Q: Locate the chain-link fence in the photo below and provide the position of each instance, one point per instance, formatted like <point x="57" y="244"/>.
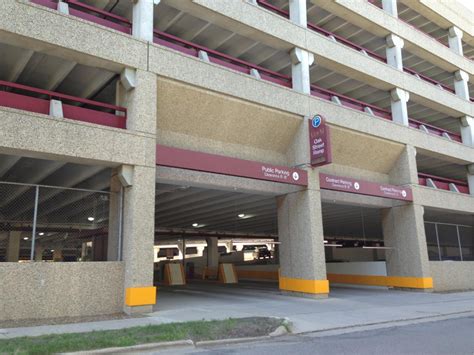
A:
<point x="45" y="223"/>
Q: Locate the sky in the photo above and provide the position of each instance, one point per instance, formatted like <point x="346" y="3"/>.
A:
<point x="468" y="3"/>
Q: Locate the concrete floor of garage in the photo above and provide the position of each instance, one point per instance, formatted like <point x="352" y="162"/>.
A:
<point x="345" y="307"/>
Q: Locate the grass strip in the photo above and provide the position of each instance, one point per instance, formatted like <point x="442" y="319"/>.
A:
<point x="196" y="331"/>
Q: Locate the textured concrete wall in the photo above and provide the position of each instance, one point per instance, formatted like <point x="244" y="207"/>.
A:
<point x="49" y="290"/>
<point x="443" y="199"/>
<point x="452" y="275"/>
<point x="37" y="135"/>
<point x="177" y="66"/>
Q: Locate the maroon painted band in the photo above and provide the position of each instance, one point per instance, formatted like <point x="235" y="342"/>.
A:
<point x="219" y="164"/>
<point x="340" y="183"/>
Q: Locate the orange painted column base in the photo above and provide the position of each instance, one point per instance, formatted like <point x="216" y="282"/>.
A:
<point x="304" y="286"/>
<point x="140" y="296"/>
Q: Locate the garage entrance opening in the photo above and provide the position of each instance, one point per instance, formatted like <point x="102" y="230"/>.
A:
<point x="354" y="244"/>
<point x="214" y="237"/>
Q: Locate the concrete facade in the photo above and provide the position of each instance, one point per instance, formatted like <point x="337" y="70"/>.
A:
<point x="47" y="285"/>
<point x="185" y="102"/>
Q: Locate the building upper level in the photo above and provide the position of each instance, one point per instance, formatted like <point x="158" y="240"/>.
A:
<point x="340" y="61"/>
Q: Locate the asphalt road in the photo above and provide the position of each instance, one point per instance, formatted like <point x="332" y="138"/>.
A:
<point x="453" y="336"/>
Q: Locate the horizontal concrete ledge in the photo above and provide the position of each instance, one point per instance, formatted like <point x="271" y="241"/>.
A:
<point x="36" y="135"/>
<point x="442" y="199"/>
<point x="25" y="23"/>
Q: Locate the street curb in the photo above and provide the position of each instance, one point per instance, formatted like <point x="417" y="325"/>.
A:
<point x="230" y="341"/>
<point x="281" y="330"/>
<point x="141" y="347"/>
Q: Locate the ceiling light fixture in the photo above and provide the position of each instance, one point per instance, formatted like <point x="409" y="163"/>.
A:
<point x="90" y="219"/>
<point x="195" y="225"/>
<point x="241" y="215"/>
<point x="41" y="233"/>
<point x="26" y="238"/>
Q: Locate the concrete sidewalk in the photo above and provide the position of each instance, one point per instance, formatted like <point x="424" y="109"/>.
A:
<point x="345" y="308"/>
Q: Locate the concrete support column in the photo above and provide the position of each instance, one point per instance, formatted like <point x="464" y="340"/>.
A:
<point x="467" y="130"/>
<point x="39" y="252"/>
<point x="212" y="252"/>
<point x="390" y="6"/>
<point x="13" y="249"/>
<point x="301" y="60"/>
<point x="300" y="229"/>
<point x="298" y="13"/>
<point x="143" y="19"/>
<point x="394" y="51"/>
<point x="138" y="240"/>
<point x="460" y="84"/>
<point x="404" y="231"/>
<point x="454" y="40"/>
<point x="137" y="90"/>
<point x="470" y="178"/>
<point x="58" y="254"/>
<point x="407" y="262"/>
<point x="399" y="100"/>
<point x="115" y="214"/>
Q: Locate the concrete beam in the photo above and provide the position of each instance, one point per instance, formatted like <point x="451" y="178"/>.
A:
<point x="394" y="51"/>
<point x="455" y="40"/>
<point x="399" y="100"/>
<point x="470" y="178"/>
<point x="298" y="12"/>
<point x="301" y="60"/>
<point x="460" y="84"/>
<point x="467" y="130"/>
<point x="390" y="6"/>
<point x="143" y="19"/>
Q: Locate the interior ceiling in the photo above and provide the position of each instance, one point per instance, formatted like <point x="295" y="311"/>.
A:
<point x="176" y="206"/>
<point x="351" y="221"/>
<point x="47" y="72"/>
<point x="214" y="210"/>
<point x="434" y="166"/>
<point x="440" y="216"/>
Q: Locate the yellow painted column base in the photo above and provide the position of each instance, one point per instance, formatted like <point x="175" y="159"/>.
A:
<point x="140" y="296"/>
<point x="387" y="281"/>
<point x="304" y="286"/>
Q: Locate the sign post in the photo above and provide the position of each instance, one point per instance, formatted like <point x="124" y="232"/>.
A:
<point x="319" y="141"/>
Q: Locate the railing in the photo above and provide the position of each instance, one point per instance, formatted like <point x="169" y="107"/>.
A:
<point x="435" y="130"/>
<point x="425" y="78"/>
<point x="322" y="31"/>
<point x="349" y="102"/>
<point x="38" y="100"/>
<point x="443" y="183"/>
<point x="93" y="14"/>
<point x="173" y="42"/>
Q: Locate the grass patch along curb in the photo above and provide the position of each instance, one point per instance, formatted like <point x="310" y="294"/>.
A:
<point x="193" y="332"/>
